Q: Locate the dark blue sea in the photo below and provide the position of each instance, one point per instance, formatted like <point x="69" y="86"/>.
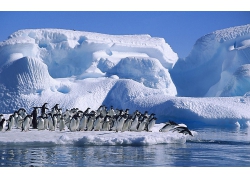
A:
<point x="213" y="147"/>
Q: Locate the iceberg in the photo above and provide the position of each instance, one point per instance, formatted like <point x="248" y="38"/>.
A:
<point x="78" y="69"/>
<point x="209" y="70"/>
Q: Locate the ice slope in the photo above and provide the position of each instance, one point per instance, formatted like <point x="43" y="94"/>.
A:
<point x="212" y="67"/>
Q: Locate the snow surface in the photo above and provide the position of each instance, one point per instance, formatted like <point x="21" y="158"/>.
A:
<point x="139" y="72"/>
<point x="34" y="136"/>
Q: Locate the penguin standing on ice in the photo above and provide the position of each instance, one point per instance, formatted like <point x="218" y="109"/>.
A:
<point x="134" y="123"/>
<point x="90" y="123"/>
<point x="106" y="123"/>
<point x="2" y="124"/>
<point x="46" y="122"/>
<point x="40" y="123"/>
<point x="127" y="124"/>
<point x="50" y="122"/>
<point x="34" y="119"/>
<point x="72" y="124"/>
<point x="142" y="124"/>
<point x="54" y="119"/>
<point x="11" y="122"/>
<point x="83" y="123"/>
<point x="62" y="124"/>
<point x="151" y="124"/>
<point x="26" y="123"/>
<point x="98" y="122"/>
<point x="120" y="122"/>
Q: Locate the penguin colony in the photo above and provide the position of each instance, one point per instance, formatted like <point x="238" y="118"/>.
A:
<point x="74" y="119"/>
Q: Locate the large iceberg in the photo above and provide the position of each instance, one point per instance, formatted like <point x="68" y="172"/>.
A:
<point x="214" y="64"/>
<point x="139" y="72"/>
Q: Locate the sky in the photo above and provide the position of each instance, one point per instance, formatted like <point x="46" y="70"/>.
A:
<point x="180" y="29"/>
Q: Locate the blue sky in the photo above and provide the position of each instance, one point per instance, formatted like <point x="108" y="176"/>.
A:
<point x="180" y="29"/>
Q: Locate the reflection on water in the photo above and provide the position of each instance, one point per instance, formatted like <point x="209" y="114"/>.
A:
<point x="91" y="156"/>
<point x="212" y="147"/>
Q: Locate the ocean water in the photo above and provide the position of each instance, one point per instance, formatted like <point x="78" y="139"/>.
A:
<point x="212" y="147"/>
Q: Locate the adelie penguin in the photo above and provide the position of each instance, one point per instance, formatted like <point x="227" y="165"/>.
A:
<point x="34" y="117"/>
<point x="43" y="108"/>
<point x="183" y="130"/>
<point x="11" y="122"/>
<point x="168" y="126"/>
<point x="62" y="124"/>
<point x="3" y="124"/>
<point x="26" y="123"/>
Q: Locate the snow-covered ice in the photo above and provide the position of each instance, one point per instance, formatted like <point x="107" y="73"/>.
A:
<point x="34" y="136"/>
<point x="86" y="69"/>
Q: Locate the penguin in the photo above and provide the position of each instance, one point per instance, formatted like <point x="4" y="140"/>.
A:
<point x="151" y="124"/>
<point x="126" y="111"/>
<point x="77" y="122"/>
<point x="3" y="124"/>
<point x="54" y="121"/>
<point x="168" y="126"/>
<point x="111" y="112"/>
<point x="43" y="108"/>
<point x="134" y="124"/>
<point x="98" y="111"/>
<point x="50" y="122"/>
<point x="22" y="112"/>
<point x="67" y="119"/>
<point x="40" y="123"/>
<point x="18" y="120"/>
<point x="34" y="119"/>
<point x="15" y="115"/>
<point x="11" y="122"/>
<point x="90" y="123"/>
<point x="53" y="111"/>
<point x="46" y="122"/>
<point x="183" y="130"/>
<point x="26" y="123"/>
<point x="72" y="124"/>
<point x="58" y="119"/>
<point x="59" y="111"/>
<point x="83" y="123"/>
<point x="106" y="123"/>
<point x="56" y="107"/>
<point x="135" y="113"/>
<point x="98" y="122"/>
<point x="120" y="123"/>
<point x="127" y="124"/>
<point x="1" y="117"/>
<point x="115" y="122"/>
<point x="104" y="111"/>
<point x="142" y="125"/>
<point x="86" y="111"/>
<point x="61" y="124"/>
